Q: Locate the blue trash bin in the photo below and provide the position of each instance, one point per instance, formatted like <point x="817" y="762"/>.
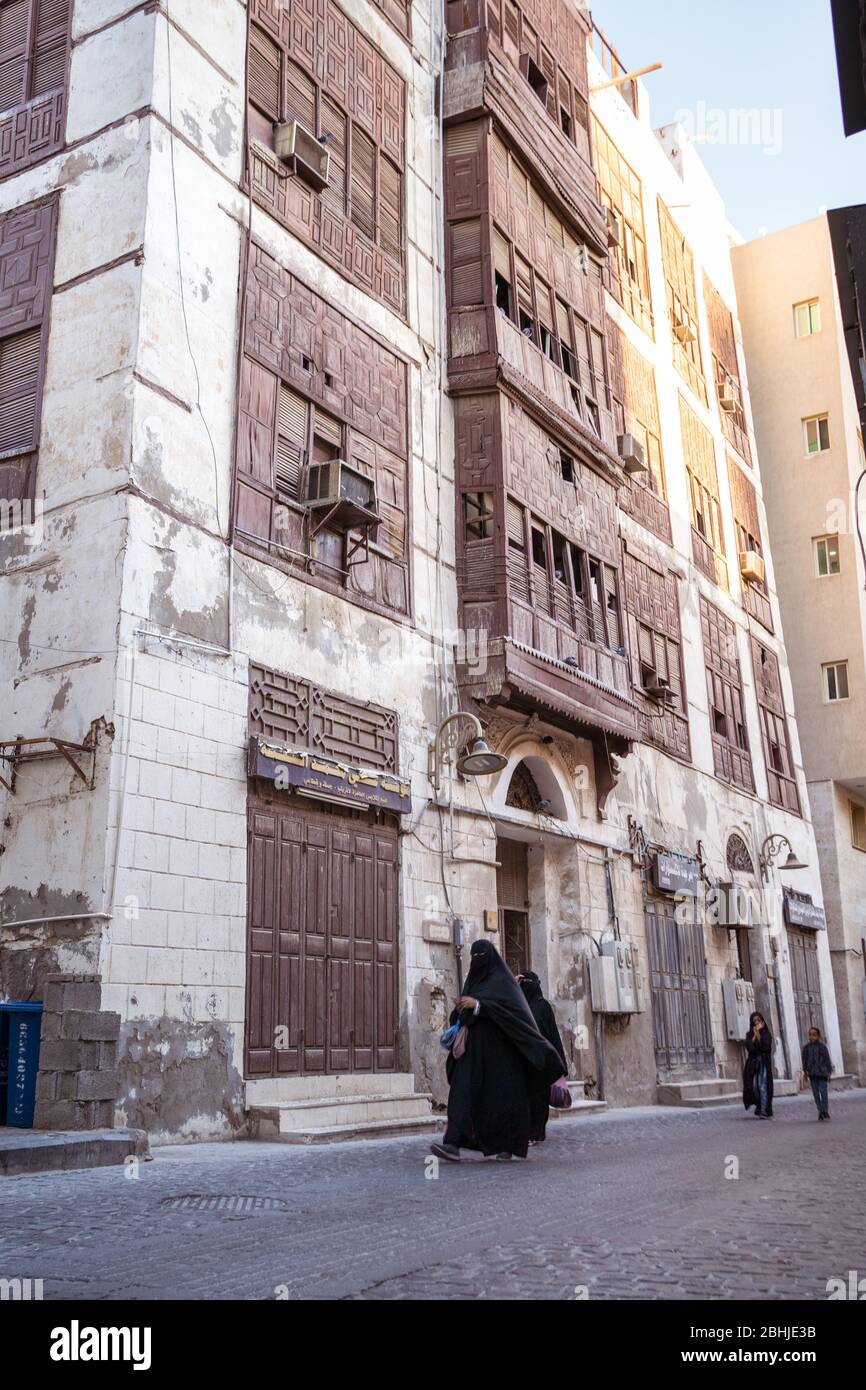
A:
<point x="20" y="1028"/>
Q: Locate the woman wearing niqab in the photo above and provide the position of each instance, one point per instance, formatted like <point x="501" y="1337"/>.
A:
<point x="545" y="1019"/>
<point x="505" y="1063"/>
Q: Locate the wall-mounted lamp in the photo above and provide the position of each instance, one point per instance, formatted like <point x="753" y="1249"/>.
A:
<point x="770" y="851"/>
<point x="477" y="761"/>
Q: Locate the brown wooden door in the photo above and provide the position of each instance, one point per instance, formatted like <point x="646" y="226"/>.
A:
<point x="512" y="891"/>
<point x="803" y="947"/>
<point x="678" y="979"/>
<point x="321" y="943"/>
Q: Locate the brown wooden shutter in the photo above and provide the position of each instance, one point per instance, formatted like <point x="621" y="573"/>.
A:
<point x="265" y="70"/>
<point x="291" y="442"/>
<point x="466" y="283"/>
<point x="327" y="428"/>
<point x="300" y="97"/>
<point x="51" y="39"/>
<point x="390" y="209"/>
<point x="19" y="391"/>
<point x="501" y="256"/>
<point x="14" y="24"/>
<point x="363" y="182"/>
<point x="333" y="124"/>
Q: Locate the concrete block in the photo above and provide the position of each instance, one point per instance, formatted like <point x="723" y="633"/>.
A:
<point x="97" y="1085"/>
<point x="93" y="1027"/>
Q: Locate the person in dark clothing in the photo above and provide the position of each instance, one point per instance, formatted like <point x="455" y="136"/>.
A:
<point x="539" y="1110"/>
<point x="505" y="1062"/>
<point x="758" y="1070"/>
<point x="819" y="1068"/>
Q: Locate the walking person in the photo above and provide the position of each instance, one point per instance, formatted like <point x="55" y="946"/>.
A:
<point x="758" y="1070"/>
<point x="498" y="1062"/>
<point x="539" y="1109"/>
<point x="819" y="1068"/>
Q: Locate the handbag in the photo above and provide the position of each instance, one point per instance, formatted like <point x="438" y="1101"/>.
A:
<point x="560" y="1095"/>
<point x="460" y="1042"/>
<point x="448" y="1036"/>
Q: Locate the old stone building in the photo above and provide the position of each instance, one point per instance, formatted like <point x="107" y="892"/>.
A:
<point x="801" y="293"/>
<point x="361" y="366"/>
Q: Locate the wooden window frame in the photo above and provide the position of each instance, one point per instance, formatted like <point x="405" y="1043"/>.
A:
<point x="783" y="789"/>
<point x="678" y="263"/>
<point x="613" y="172"/>
<point x="731" y="753"/>
<point x="858" y="837"/>
<point x="33" y="129"/>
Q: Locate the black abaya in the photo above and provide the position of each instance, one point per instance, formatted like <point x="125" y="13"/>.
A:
<point x="539" y="1109"/>
<point x="759" y="1050"/>
<point x="506" y="1062"/>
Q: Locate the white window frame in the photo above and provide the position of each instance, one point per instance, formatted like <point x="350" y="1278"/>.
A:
<point x="815" y="420"/>
<point x="818" y="541"/>
<point x="826" y="668"/>
<point x="807" y="304"/>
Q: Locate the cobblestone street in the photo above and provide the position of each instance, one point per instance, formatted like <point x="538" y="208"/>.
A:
<point x="629" y="1205"/>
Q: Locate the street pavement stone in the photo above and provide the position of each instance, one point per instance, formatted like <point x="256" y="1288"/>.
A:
<point x="634" y="1204"/>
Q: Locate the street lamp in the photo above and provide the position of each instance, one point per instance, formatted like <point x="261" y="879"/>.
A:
<point x="478" y="761"/>
<point x="770" y="851"/>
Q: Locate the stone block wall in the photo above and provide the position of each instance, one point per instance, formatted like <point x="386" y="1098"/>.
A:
<point x="77" y="1083"/>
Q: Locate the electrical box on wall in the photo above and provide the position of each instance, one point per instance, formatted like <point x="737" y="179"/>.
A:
<point x="739" y="999"/>
<point x="617" y="979"/>
<point x="603" y="985"/>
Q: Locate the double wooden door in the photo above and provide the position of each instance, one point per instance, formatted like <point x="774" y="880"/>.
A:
<point x="803" y="948"/>
<point x="322" y="913"/>
<point x="682" y="1031"/>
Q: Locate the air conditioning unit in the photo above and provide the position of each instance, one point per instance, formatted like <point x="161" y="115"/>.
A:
<point x="350" y="494"/>
<point x="683" y="334"/>
<point x="632" y="453"/>
<point x="752" y="566"/>
<point x="303" y="153"/>
<point x="739" y="1000"/>
<point x="727" y="397"/>
<point x="659" y="688"/>
<point x="603" y="985"/>
<point x="614" y="228"/>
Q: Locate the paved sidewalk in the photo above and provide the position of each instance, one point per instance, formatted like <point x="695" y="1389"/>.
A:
<point x="628" y="1205"/>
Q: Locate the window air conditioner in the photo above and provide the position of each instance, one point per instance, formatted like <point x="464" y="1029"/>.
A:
<point x="350" y="493"/>
<point x="727" y="397"/>
<point x="659" y="688"/>
<point x="632" y="453"/>
<point x="303" y="153"/>
<point x="614" y="230"/>
<point x="752" y="566"/>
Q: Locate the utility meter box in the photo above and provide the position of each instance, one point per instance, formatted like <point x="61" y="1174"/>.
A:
<point x="639" y="974"/>
<point x="620" y="953"/>
<point x="603" y="985"/>
<point x="739" y="999"/>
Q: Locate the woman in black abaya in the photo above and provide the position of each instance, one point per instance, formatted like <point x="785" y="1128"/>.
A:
<point x="545" y="1019"/>
<point x="758" y="1071"/>
<point x="506" y="1061"/>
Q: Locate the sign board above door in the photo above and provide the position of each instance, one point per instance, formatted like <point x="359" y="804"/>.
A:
<point x="326" y="779"/>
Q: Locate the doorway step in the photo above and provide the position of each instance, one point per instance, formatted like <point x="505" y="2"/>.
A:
<point x="333" y="1109"/>
<point x="700" y="1095"/>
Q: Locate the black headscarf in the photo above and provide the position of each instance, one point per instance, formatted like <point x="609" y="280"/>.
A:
<point x="542" y="1012"/>
<point x="506" y="1062"/>
<point x="490" y="979"/>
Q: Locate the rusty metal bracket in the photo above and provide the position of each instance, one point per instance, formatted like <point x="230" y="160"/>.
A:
<point x="15" y="751"/>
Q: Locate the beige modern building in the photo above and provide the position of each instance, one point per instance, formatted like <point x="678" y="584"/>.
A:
<point x="805" y="403"/>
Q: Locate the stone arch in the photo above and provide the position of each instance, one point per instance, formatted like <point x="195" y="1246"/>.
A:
<point x="534" y="783"/>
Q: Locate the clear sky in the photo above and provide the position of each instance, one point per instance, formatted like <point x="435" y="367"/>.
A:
<point x="773" y="57"/>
